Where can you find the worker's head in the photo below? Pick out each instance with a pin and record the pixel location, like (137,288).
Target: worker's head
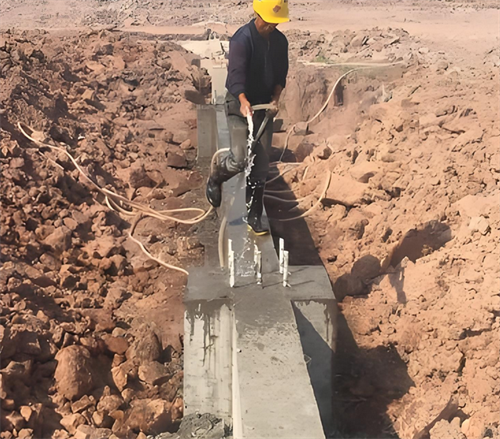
(271,12)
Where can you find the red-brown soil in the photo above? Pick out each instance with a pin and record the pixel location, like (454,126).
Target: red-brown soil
(91,328)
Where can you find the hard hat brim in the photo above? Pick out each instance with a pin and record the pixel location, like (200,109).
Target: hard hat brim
(274,20)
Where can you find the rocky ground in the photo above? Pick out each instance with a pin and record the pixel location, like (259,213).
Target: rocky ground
(91,328)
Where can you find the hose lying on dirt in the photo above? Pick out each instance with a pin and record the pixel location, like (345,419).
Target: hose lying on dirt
(362,66)
(318,202)
(113,199)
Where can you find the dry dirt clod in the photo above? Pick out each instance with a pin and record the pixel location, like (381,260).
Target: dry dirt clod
(74,374)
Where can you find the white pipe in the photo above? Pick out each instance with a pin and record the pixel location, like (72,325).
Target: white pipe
(230,255)
(258,265)
(282,249)
(285,269)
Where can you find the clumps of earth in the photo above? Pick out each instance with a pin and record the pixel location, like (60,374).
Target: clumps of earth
(91,328)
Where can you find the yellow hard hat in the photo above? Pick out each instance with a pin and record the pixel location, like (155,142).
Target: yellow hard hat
(272,11)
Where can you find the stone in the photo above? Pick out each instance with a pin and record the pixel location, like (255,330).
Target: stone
(18,370)
(363,171)
(89,95)
(25,433)
(103,247)
(3,392)
(120,377)
(476,205)
(101,419)
(474,135)
(83,403)
(428,120)
(26,412)
(348,285)
(345,191)
(149,416)
(186,145)
(139,178)
(446,430)
(73,375)
(176,160)
(479,224)
(358,41)
(16,420)
(495,162)
(366,268)
(179,136)
(66,278)
(116,345)
(473,428)
(90,432)
(146,346)
(110,403)
(441,66)
(154,373)
(72,422)
(59,240)
(101,318)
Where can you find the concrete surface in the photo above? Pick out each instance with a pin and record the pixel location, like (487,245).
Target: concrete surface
(208,332)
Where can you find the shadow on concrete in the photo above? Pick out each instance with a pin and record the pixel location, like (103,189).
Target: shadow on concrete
(297,236)
(319,356)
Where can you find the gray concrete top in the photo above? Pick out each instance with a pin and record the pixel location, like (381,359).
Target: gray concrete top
(276,397)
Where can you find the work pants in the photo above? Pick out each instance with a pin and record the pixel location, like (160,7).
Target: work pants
(236,161)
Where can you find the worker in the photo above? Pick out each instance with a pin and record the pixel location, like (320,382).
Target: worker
(257,70)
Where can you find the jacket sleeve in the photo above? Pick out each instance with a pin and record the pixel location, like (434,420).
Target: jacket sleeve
(283,70)
(237,68)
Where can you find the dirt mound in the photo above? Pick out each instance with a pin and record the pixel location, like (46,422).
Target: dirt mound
(407,230)
(91,329)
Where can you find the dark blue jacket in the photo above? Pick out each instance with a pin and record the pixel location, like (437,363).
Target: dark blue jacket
(256,65)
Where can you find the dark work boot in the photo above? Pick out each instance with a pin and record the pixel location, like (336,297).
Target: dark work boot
(214,184)
(255,210)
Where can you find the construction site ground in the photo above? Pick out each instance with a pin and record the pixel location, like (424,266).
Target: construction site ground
(92,328)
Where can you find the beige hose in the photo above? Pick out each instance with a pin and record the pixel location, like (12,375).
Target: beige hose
(320,199)
(112,200)
(312,119)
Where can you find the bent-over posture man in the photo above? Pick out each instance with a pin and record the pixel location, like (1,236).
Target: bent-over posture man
(258,66)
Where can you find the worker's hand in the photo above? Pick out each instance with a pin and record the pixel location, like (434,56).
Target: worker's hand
(273,111)
(246,109)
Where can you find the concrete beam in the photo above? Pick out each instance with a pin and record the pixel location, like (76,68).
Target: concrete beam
(206,131)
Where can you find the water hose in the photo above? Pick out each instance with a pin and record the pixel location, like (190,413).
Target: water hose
(112,199)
